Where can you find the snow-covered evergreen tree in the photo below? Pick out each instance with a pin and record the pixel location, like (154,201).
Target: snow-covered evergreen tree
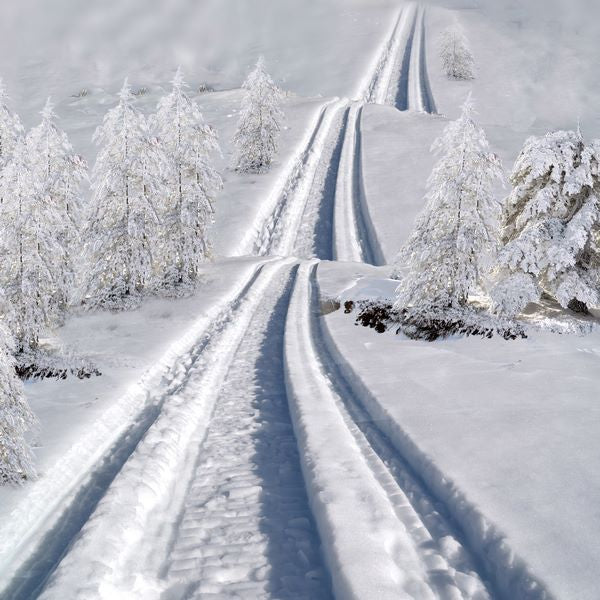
(256,138)
(192,183)
(128,184)
(456,56)
(57,173)
(29,247)
(552,225)
(16,418)
(11,128)
(456,234)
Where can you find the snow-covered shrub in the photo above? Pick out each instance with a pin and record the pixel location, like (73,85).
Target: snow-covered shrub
(128,182)
(552,225)
(260,122)
(191,185)
(54,363)
(16,418)
(455,236)
(436,323)
(456,56)
(57,174)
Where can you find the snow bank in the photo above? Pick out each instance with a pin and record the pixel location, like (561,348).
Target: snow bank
(504,434)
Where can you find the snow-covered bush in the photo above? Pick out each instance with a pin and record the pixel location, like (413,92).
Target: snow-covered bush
(57,173)
(16,418)
(436,323)
(191,185)
(128,182)
(260,122)
(455,236)
(552,225)
(456,56)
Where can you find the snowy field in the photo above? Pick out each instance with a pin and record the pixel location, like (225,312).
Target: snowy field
(251,441)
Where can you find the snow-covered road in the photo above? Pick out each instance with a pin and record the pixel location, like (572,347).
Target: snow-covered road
(258,474)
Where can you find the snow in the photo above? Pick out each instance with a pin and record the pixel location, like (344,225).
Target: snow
(504,433)
(142,355)
(472,462)
(353,483)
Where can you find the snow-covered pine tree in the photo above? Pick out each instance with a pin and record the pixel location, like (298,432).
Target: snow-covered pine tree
(11,128)
(456,234)
(16,418)
(28,246)
(57,174)
(256,138)
(552,225)
(456,56)
(192,184)
(128,184)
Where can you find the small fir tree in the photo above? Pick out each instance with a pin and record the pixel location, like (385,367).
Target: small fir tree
(11,128)
(256,138)
(128,184)
(29,247)
(57,174)
(456,234)
(552,225)
(192,184)
(456,56)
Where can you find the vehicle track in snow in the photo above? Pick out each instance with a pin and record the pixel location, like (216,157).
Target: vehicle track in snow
(201,484)
(428,549)
(401,78)
(31,574)
(320,202)
(246,527)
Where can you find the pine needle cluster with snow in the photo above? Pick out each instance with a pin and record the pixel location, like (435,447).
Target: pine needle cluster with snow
(456,56)
(256,138)
(455,236)
(552,225)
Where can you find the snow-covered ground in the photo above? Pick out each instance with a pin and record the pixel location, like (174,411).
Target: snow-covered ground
(242,443)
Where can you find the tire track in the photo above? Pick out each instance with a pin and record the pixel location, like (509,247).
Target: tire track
(246,526)
(76,555)
(355,239)
(279,230)
(314,238)
(420,95)
(428,553)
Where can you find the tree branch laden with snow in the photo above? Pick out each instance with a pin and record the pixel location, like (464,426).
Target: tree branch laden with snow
(551,225)
(16,418)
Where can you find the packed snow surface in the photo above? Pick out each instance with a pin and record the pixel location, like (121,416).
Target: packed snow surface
(249,440)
